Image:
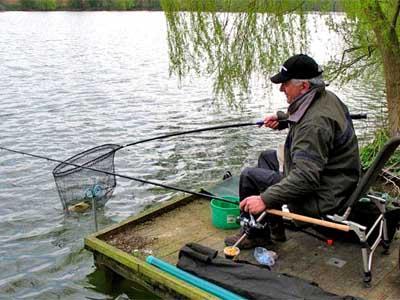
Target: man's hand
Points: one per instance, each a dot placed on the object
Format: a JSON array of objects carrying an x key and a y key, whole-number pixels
[
  {"x": 271, "y": 121},
  {"x": 253, "y": 205}
]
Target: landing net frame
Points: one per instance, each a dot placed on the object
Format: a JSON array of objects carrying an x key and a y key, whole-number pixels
[{"x": 75, "y": 183}]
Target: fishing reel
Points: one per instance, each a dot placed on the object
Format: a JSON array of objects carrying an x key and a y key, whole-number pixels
[{"x": 249, "y": 224}]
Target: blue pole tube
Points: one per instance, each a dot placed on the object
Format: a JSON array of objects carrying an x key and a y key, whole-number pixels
[{"x": 196, "y": 281}]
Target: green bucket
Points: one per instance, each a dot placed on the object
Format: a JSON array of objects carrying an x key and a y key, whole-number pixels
[{"x": 224, "y": 214}]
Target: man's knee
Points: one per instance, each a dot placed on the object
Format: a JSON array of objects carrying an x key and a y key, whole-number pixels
[
  {"x": 268, "y": 160},
  {"x": 248, "y": 173},
  {"x": 246, "y": 179},
  {"x": 259, "y": 177},
  {"x": 268, "y": 154}
]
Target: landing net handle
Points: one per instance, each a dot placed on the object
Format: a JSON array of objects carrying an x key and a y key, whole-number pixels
[{"x": 75, "y": 183}]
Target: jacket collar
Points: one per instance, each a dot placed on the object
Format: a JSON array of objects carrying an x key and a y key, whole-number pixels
[{"x": 299, "y": 106}]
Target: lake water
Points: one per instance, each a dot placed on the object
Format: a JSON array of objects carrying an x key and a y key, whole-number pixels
[{"x": 70, "y": 81}]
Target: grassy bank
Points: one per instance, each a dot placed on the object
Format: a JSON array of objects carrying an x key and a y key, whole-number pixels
[{"x": 390, "y": 177}]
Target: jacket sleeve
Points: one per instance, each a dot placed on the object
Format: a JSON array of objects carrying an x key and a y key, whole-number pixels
[
  {"x": 309, "y": 153},
  {"x": 283, "y": 120}
]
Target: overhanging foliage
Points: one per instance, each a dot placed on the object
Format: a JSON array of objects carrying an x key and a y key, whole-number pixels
[{"x": 232, "y": 40}]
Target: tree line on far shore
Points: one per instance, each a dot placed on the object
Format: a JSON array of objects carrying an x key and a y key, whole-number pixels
[
  {"x": 234, "y": 5},
  {"x": 50, "y": 5}
]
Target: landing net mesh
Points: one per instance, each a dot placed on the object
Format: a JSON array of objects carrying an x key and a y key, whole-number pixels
[{"x": 76, "y": 184}]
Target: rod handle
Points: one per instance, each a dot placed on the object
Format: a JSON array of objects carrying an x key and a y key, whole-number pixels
[
  {"x": 352, "y": 116},
  {"x": 260, "y": 123},
  {"x": 308, "y": 219},
  {"x": 358, "y": 116}
]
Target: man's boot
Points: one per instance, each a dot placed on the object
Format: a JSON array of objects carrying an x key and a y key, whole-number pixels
[{"x": 278, "y": 231}]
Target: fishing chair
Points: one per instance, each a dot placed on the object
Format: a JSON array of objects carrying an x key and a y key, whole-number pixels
[
  {"x": 345, "y": 224},
  {"x": 362, "y": 190}
]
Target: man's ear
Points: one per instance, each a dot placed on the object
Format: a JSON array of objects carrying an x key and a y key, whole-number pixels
[{"x": 306, "y": 85}]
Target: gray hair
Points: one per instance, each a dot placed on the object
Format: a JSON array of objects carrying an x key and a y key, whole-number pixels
[{"x": 314, "y": 82}]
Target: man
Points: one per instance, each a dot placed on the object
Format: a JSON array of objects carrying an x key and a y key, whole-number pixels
[{"x": 321, "y": 158}]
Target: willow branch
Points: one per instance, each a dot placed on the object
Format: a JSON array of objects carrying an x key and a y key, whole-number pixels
[
  {"x": 396, "y": 15},
  {"x": 369, "y": 49},
  {"x": 348, "y": 51},
  {"x": 344, "y": 66}
]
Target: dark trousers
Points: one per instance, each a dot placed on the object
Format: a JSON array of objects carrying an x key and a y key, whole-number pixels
[{"x": 255, "y": 180}]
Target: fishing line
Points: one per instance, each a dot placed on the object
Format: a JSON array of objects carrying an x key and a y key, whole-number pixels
[{"x": 120, "y": 175}]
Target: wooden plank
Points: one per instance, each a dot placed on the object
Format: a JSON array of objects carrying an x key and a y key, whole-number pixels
[
  {"x": 150, "y": 273},
  {"x": 147, "y": 214},
  {"x": 308, "y": 258},
  {"x": 302, "y": 255},
  {"x": 184, "y": 224}
]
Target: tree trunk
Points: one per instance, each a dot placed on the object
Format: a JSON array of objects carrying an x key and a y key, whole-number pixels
[
  {"x": 391, "y": 66},
  {"x": 389, "y": 48}
]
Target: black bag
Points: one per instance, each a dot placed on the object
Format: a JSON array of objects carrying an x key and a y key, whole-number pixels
[{"x": 248, "y": 280}]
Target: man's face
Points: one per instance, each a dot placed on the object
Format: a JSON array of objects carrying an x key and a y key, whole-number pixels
[{"x": 292, "y": 90}]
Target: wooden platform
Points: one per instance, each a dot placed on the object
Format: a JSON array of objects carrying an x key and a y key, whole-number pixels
[{"x": 163, "y": 231}]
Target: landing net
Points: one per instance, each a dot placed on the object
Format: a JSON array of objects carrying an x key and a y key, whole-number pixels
[{"x": 76, "y": 184}]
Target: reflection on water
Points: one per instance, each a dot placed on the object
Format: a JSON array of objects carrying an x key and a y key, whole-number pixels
[{"x": 71, "y": 81}]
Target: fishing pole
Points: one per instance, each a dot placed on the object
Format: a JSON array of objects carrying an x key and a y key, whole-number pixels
[
  {"x": 357, "y": 116},
  {"x": 120, "y": 175},
  {"x": 258, "y": 123}
]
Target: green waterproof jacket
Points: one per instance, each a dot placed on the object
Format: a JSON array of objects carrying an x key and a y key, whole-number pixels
[{"x": 322, "y": 165}]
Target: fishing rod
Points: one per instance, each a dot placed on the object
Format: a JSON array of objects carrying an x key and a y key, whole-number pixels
[
  {"x": 260, "y": 123},
  {"x": 119, "y": 175}
]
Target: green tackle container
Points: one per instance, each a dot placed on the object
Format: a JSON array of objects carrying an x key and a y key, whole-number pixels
[{"x": 224, "y": 214}]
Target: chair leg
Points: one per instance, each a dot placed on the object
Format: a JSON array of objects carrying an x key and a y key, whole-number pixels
[
  {"x": 385, "y": 240},
  {"x": 380, "y": 202},
  {"x": 367, "y": 251},
  {"x": 366, "y": 266}
]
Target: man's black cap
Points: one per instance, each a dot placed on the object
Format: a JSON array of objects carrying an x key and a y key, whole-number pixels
[{"x": 299, "y": 66}]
